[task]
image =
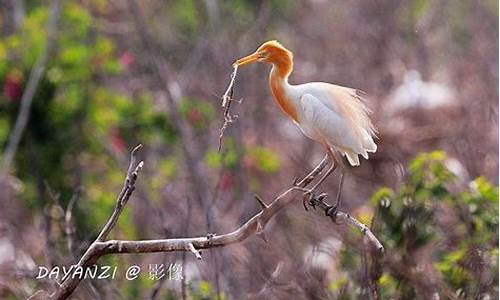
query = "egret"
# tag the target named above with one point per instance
(332, 115)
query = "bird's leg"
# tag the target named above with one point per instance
(341, 183)
(307, 179)
(334, 165)
(330, 170)
(332, 211)
(305, 201)
(314, 171)
(309, 194)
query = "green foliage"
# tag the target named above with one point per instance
(407, 223)
(256, 158)
(186, 15)
(199, 113)
(450, 267)
(263, 159)
(227, 158)
(339, 284)
(205, 291)
(75, 118)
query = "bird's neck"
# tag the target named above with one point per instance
(278, 81)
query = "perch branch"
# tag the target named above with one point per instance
(254, 226)
(342, 216)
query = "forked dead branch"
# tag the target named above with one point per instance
(254, 226)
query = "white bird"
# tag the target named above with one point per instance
(332, 115)
(416, 93)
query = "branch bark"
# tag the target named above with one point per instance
(254, 226)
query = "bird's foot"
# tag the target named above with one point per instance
(317, 200)
(307, 198)
(305, 203)
(210, 236)
(331, 211)
(311, 199)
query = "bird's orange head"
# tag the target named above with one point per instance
(270, 52)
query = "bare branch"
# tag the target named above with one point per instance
(194, 251)
(69, 227)
(89, 257)
(363, 228)
(261, 202)
(187, 244)
(125, 194)
(254, 226)
(342, 216)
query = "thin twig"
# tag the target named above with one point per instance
(69, 227)
(273, 279)
(194, 251)
(363, 228)
(126, 192)
(227, 98)
(263, 205)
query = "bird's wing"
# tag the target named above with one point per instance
(352, 106)
(328, 126)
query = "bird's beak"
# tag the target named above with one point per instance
(247, 59)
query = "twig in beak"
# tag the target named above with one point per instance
(227, 98)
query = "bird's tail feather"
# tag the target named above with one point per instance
(368, 143)
(352, 157)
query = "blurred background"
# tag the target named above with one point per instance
(88, 80)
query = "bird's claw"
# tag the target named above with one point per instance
(317, 200)
(312, 200)
(308, 196)
(210, 236)
(332, 211)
